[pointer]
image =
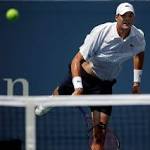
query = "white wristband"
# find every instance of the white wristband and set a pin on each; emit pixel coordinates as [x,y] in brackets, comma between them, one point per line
[137,75]
[77,82]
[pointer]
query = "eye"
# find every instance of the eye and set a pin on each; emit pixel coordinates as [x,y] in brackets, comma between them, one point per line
[128,14]
[131,15]
[122,15]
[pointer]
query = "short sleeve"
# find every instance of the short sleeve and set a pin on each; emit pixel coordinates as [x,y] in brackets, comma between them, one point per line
[90,44]
[142,42]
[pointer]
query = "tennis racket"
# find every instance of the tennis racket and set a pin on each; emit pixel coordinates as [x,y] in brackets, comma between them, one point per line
[111,140]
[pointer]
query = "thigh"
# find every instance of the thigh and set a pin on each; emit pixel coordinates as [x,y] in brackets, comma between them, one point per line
[101,90]
[104,109]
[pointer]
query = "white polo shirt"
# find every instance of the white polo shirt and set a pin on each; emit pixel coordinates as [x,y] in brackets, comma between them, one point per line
[106,50]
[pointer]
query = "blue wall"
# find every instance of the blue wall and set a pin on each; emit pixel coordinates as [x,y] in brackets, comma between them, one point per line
[38,47]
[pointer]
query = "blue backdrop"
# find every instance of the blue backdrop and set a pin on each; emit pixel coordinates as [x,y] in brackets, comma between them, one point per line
[35,51]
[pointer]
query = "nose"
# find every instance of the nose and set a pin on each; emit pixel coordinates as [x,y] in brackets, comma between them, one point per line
[128,16]
[127,19]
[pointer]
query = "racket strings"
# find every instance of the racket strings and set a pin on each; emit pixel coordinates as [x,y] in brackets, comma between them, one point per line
[111,140]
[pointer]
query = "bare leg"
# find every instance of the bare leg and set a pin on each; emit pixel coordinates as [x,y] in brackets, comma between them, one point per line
[99,130]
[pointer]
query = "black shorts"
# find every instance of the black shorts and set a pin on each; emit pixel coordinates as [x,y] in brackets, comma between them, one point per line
[91,85]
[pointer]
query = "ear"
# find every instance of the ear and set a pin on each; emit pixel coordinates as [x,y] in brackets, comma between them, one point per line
[116,17]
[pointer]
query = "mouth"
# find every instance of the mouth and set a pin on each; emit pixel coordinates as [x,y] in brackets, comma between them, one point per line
[126,23]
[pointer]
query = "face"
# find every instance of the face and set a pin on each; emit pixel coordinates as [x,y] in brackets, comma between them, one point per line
[125,21]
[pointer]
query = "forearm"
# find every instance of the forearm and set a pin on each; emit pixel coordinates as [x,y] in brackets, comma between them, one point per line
[76,75]
[138,62]
[75,67]
[76,64]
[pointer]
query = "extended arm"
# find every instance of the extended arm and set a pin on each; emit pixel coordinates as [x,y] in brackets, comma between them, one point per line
[75,70]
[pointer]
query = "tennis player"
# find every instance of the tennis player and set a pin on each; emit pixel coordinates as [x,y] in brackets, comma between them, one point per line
[96,65]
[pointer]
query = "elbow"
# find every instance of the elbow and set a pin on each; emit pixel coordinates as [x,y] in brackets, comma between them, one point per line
[77,60]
